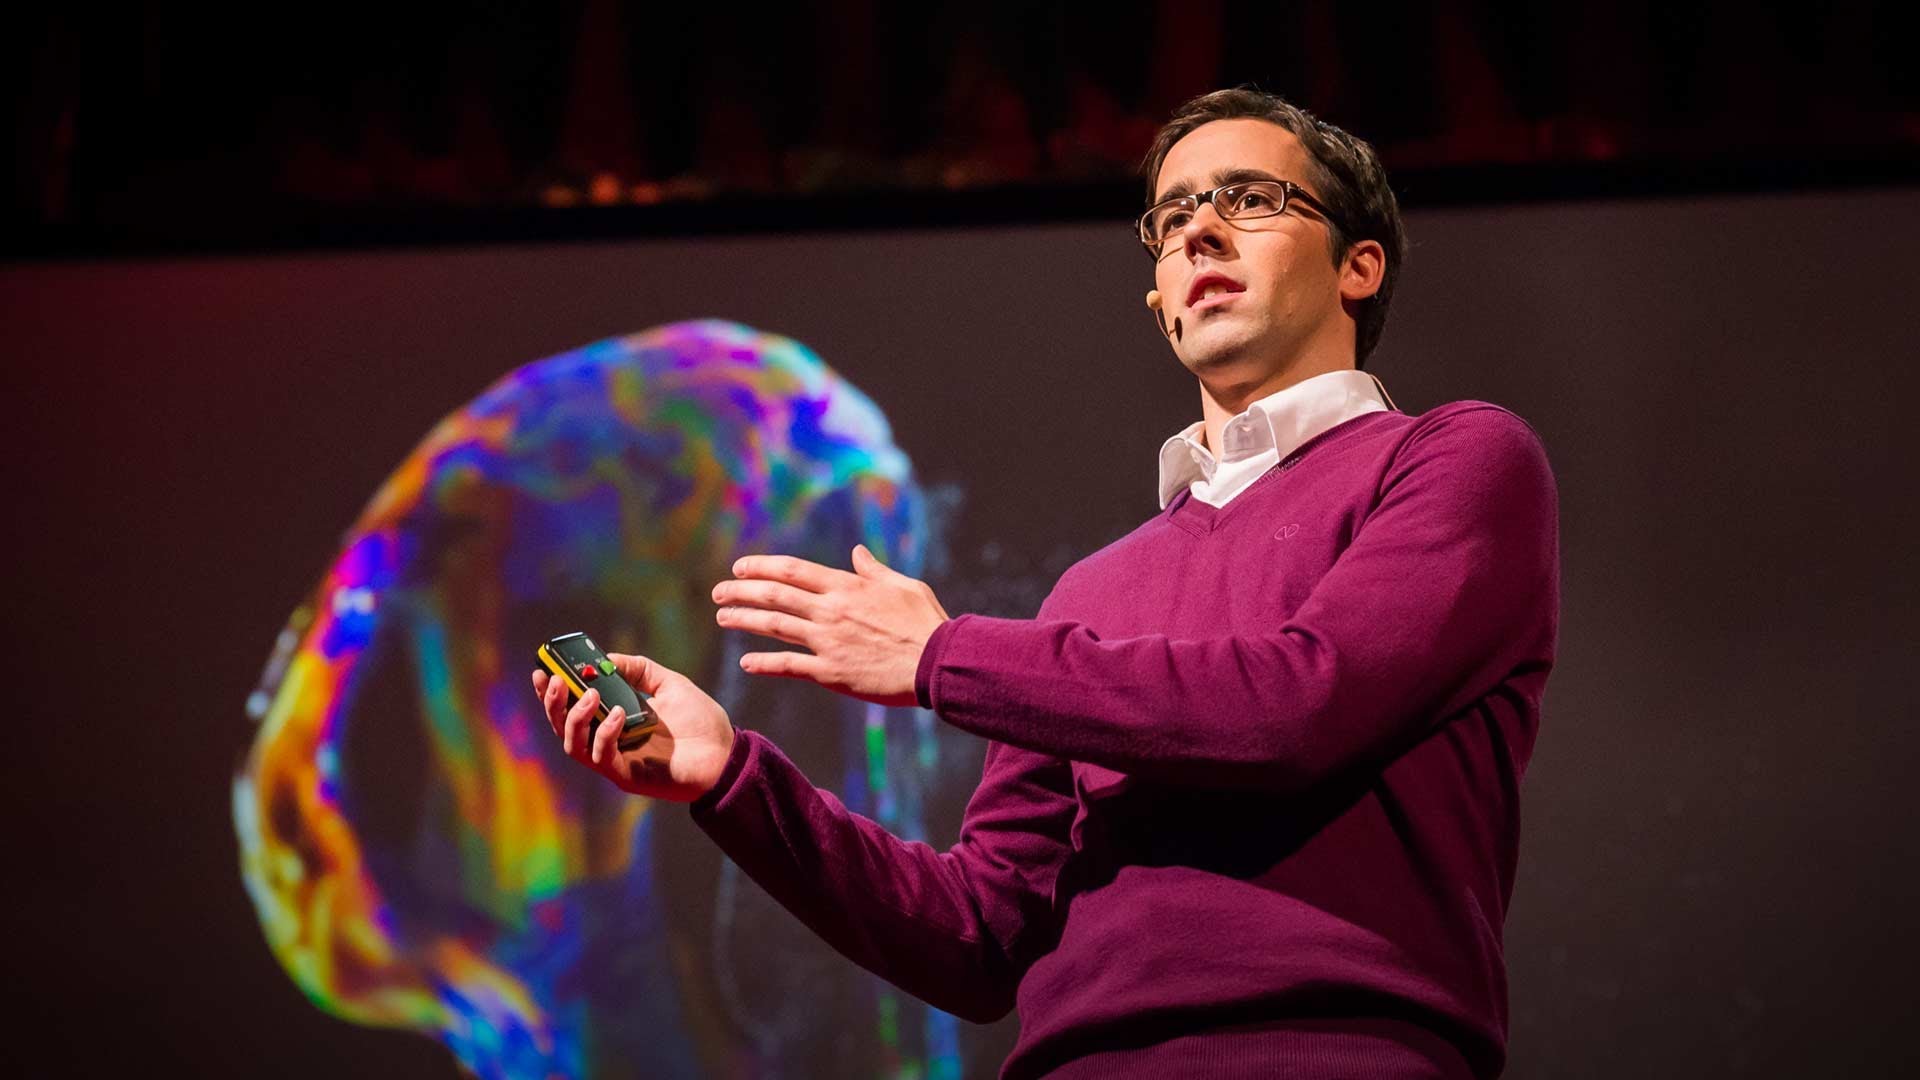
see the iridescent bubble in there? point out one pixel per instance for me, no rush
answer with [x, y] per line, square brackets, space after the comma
[420, 852]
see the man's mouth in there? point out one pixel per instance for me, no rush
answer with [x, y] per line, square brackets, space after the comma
[1211, 290]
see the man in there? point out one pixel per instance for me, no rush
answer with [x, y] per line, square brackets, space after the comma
[1249, 805]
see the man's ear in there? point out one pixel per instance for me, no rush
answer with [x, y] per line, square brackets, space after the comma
[1363, 270]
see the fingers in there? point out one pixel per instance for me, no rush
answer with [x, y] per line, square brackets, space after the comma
[810, 576]
[604, 747]
[792, 665]
[643, 674]
[773, 624]
[579, 725]
[770, 595]
[773, 609]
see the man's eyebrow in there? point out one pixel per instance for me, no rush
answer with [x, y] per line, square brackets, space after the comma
[1224, 176]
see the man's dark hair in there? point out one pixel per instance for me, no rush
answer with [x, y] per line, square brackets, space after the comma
[1347, 177]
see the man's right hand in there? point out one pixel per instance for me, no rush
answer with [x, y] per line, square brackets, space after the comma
[679, 762]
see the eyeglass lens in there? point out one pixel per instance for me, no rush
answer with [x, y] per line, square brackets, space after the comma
[1260, 198]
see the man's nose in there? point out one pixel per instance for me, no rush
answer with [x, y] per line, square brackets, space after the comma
[1206, 233]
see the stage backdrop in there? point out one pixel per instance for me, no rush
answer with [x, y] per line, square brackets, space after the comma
[286, 529]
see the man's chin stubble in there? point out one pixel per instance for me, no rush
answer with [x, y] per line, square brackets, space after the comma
[1214, 357]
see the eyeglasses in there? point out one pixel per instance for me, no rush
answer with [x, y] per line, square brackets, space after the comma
[1244, 201]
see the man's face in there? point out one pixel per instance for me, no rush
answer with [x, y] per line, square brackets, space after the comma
[1282, 291]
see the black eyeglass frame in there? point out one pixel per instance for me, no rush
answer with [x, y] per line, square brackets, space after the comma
[1289, 191]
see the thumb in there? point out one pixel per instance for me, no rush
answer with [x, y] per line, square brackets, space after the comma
[643, 674]
[866, 565]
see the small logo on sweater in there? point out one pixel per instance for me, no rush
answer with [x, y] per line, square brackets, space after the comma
[1286, 532]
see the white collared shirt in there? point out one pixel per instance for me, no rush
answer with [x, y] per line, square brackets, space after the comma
[1269, 430]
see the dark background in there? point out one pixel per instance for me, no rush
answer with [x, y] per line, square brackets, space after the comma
[247, 260]
[181, 126]
[1716, 877]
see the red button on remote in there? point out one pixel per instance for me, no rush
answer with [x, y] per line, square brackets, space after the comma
[587, 672]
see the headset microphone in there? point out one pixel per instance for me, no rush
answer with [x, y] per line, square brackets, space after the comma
[1153, 302]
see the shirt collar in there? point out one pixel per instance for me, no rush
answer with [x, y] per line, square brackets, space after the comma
[1278, 424]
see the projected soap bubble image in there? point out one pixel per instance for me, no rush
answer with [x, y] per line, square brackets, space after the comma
[419, 851]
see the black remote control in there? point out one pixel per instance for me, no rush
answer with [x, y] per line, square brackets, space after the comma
[576, 661]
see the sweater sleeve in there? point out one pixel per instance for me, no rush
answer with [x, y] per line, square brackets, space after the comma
[956, 929]
[1449, 585]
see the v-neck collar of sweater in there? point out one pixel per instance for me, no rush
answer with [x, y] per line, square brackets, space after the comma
[1199, 518]
[1268, 430]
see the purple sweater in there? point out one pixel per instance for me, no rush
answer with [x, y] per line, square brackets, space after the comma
[1251, 801]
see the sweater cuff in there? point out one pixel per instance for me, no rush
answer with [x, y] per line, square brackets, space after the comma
[930, 660]
[708, 804]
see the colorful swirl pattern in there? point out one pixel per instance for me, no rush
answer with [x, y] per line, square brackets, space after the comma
[420, 853]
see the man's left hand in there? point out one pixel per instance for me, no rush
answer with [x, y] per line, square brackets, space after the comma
[864, 630]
